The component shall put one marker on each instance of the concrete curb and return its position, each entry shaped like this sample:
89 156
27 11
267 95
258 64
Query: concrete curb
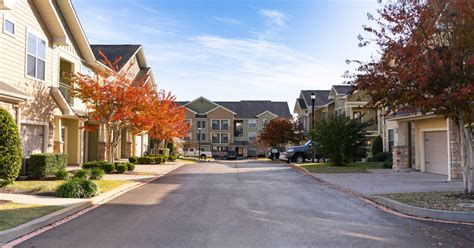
50 219
398 207
423 212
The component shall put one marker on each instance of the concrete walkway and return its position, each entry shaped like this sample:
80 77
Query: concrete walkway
385 181
40 200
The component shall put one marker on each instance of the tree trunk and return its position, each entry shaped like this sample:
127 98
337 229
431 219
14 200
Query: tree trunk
469 165
465 153
108 144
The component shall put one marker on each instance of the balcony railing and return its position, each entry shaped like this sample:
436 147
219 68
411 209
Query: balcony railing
66 91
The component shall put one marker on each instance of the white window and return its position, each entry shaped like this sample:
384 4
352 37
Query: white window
224 124
224 138
252 136
215 124
36 57
253 123
215 138
201 124
9 26
203 136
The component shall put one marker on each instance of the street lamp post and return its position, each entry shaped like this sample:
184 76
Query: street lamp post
200 137
313 98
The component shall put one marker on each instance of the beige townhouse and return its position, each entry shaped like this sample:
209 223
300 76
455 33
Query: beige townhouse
134 62
222 126
42 42
340 100
423 142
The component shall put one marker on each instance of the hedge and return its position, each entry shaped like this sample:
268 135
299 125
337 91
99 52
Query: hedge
10 149
146 160
46 164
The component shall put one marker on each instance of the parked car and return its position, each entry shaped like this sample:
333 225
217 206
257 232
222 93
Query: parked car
193 152
300 153
231 155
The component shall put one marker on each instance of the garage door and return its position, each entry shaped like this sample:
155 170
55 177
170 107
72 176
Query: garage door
33 139
436 152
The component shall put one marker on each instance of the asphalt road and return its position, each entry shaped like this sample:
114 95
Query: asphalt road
245 205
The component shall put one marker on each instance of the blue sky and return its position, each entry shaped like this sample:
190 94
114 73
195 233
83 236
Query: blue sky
233 50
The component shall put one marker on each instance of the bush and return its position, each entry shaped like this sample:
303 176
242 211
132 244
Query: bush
163 158
157 159
77 188
61 175
377 145
165 152
94 164
107 167
10 149
172 158
46 164
96 174
121 167
133 159
82 174
146 160
388 164
130 166
89 188
381 157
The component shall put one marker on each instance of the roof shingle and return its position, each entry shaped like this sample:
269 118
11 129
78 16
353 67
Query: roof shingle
321 96
114 51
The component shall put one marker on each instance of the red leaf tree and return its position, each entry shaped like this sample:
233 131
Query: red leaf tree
112 100
426 64
281 131
168 119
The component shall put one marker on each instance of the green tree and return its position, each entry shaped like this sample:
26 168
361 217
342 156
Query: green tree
377 146
341 138
10 149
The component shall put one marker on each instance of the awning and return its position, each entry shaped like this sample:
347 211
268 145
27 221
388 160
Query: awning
10 94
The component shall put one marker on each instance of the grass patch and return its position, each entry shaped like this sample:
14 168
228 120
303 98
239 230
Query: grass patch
49 187
435 200
14 214
327 168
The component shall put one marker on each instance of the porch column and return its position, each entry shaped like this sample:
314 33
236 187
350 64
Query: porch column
58 148
400 148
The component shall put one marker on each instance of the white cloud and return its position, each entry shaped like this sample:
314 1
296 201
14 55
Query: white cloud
226 20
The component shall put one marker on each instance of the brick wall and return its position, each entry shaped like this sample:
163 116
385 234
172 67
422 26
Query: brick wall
400 158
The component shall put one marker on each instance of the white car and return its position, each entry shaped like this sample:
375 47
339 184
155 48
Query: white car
193 152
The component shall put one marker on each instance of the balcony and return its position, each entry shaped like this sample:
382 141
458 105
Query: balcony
66 92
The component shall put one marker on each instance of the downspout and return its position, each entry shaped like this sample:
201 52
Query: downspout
448 123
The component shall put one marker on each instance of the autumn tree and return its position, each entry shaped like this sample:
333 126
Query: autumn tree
112 100
281 131
168 119
426 64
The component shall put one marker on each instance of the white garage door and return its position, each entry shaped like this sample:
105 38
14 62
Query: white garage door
436 152
33 139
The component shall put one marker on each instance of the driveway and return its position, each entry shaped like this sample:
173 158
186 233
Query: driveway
228 204
385 181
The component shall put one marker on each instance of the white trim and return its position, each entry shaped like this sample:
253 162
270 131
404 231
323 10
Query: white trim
266 111
422 148
448 125
201 97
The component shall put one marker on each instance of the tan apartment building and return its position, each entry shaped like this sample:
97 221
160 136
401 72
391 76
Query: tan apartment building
221 126
42 42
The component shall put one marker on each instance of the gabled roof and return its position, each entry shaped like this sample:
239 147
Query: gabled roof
343 89
302 103
126 52
321 97
251 109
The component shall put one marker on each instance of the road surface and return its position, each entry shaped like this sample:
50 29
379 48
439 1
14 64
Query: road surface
245 204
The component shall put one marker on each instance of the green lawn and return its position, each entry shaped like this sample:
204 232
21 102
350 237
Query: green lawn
452 201
48 187
349 168
13 214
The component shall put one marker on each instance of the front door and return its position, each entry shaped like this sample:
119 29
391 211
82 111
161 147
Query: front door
240 151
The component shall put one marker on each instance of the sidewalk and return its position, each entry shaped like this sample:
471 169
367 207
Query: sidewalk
385 181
